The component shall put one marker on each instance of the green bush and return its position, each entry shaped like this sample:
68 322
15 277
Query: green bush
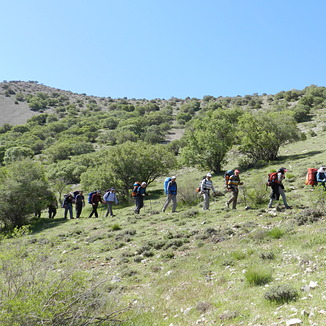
258 275
276 233
281 293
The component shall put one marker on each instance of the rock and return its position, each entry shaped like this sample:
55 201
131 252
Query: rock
294 322
313 285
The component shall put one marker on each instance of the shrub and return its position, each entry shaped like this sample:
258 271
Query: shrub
116 227
276 233
281 293
309 215
258 275
267 255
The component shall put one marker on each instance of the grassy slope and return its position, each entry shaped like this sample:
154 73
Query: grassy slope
188 268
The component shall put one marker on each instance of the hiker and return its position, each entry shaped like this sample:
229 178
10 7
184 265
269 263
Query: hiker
80 203
67 205
205 187
139 197
96 198
171 191
233 185
110 198
321 176
278 189
53 207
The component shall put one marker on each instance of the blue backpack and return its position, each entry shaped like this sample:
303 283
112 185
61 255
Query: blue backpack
166 182
90 196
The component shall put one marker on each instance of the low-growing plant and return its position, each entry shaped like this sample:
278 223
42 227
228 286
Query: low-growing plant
276 233
267 255
116 227
258 275
281 293
238 255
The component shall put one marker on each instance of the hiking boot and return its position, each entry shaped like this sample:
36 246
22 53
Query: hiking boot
288 207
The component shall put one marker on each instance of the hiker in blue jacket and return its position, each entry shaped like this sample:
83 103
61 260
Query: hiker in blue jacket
321 176
171 195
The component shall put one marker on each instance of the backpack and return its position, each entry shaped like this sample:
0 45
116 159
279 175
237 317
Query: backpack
311 177
227 176
272 179
90 196
134 190
198 189
166 182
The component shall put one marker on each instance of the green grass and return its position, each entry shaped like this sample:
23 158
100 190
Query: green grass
184 268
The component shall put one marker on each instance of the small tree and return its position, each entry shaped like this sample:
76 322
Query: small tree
23 191
261 135
124 164
209 138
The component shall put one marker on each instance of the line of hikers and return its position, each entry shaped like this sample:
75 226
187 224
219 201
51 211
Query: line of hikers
94 198
206 188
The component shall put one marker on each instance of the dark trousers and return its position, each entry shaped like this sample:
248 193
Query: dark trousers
79 208
94 211
52 211
139 203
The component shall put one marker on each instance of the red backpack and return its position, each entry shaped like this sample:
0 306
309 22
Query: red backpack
272 179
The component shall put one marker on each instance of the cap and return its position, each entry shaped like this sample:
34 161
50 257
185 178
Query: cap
208 175
174 177
238 171
143 183
282 170
112 188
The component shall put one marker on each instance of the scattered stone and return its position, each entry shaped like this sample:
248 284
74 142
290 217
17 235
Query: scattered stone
294 322
313 285
116 279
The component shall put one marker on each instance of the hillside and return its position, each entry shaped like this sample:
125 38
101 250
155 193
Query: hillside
250 266
192 267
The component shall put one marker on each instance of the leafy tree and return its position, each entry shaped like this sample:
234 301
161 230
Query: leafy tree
23 190
124 164
14 154
209 138
261 134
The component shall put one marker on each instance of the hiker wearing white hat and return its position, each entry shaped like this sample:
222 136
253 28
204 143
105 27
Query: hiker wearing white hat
205 187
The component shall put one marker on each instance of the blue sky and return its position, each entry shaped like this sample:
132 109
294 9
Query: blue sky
162 49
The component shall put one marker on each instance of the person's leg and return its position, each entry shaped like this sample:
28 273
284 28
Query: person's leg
206 200
174 203
92 212
95 210
70 211
110 204
167 202
78 210
232 198
235 198
282 193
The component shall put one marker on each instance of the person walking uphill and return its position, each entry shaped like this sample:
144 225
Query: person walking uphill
233 183
110 198
140 193
171 195
67 205
80 203
96 198
321 176
278 189
205 187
